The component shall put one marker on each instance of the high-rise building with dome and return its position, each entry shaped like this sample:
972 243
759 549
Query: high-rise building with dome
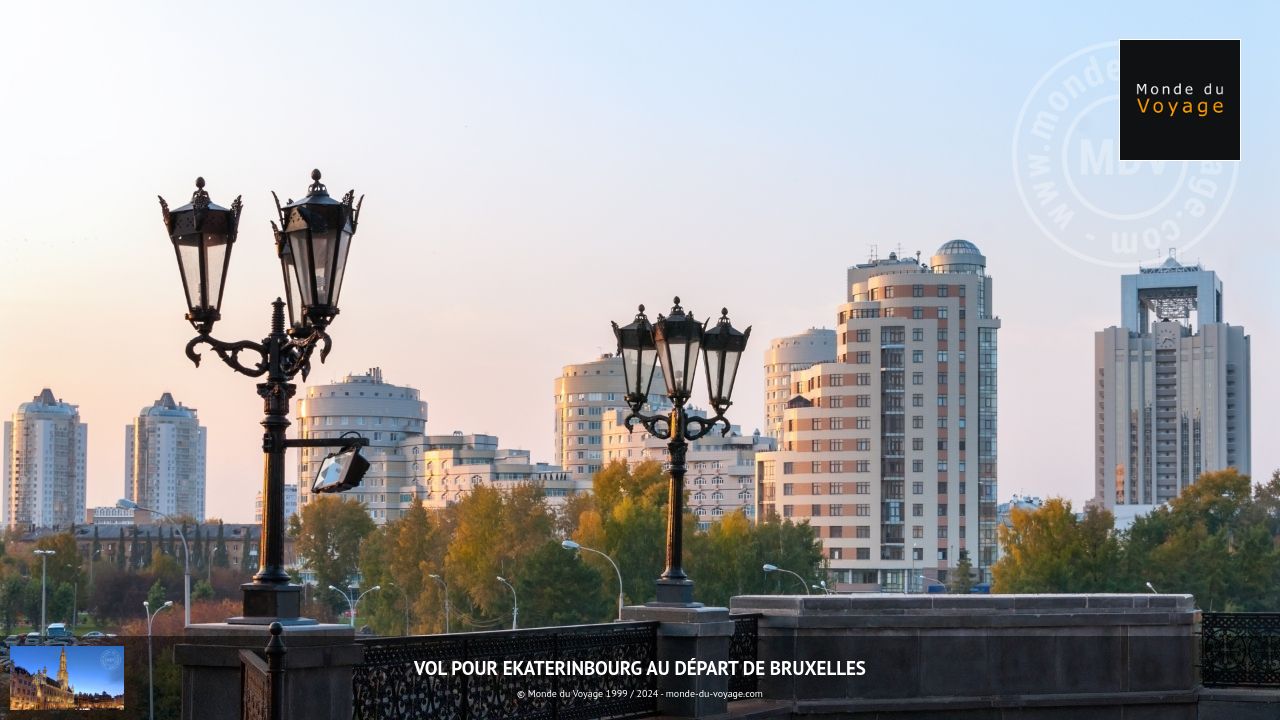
889 451
45 447
164 457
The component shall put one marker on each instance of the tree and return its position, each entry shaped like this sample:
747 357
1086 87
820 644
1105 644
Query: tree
202 590
220 558
557 588
96 552
327 534
155 596
962 575
120 560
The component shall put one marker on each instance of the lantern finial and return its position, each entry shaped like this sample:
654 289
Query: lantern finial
317 187
200 183
200 198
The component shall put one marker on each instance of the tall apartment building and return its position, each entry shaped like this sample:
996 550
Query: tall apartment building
584 393
890 450
721 469
164 459
290 502
784 356
1173 391
386 414
45 446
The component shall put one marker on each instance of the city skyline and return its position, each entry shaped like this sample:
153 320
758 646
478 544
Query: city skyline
524 167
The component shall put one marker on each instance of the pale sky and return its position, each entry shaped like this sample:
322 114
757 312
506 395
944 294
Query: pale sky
534 170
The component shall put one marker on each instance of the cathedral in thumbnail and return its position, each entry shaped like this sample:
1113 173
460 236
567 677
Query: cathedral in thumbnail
39 691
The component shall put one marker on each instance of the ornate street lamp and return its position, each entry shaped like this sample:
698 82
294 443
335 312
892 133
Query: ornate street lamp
312 247
676 341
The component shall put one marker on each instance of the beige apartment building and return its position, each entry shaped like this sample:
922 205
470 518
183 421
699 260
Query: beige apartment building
164 459
785 356
889 451
584 393
721 469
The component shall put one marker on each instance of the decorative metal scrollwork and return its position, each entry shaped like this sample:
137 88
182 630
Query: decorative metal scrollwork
1240 649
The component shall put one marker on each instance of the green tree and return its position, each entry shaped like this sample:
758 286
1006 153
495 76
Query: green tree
202 590
327 533
96 552
220 558
557 588
961 580
156 595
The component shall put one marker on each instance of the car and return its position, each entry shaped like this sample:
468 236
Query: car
11 641
93 634
32 638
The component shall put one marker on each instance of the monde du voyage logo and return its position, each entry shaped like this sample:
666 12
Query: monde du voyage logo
1180 100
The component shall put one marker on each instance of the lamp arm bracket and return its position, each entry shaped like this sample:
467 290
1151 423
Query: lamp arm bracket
296 355
697 427
229 352
658 426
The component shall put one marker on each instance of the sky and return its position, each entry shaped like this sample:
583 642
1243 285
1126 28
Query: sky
90 669
532 171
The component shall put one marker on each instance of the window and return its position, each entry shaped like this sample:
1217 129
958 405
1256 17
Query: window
917 422
862 510
862 531
815 466
835 510
862 401
835 401
917 532
917 466
836 380
942 488
862 336
788 510
917 488
942 313
788 468
816 424
862 444
917 378
837 445
862 466
837 466
835 553
942 509
862 379
862 358
862 488
918 334
863 553
917 510
942 401
888 292
917 356
917 400
788 489
835 488
942 466
917 313
835 531
942 532
942 378
917 291
942 290
862 423
942 356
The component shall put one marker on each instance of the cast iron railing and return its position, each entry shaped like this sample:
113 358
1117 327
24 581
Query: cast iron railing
1240 649
262 680
742 647
388 685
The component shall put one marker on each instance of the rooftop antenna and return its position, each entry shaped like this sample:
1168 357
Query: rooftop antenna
874 252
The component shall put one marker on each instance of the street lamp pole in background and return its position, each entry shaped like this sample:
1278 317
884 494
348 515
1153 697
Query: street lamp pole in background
312 244
127 504
405 595
676 341
515 603
353 604
151 680
44 558
571 545
444 590
769 567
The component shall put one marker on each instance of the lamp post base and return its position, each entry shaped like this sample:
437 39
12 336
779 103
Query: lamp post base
675 593
267 603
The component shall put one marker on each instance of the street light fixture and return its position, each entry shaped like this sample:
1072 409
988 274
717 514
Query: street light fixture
571 545
1152 588
354 604
151 682
44 561
312 247
676 341
769 567
405 594
127 504
515 603
444 590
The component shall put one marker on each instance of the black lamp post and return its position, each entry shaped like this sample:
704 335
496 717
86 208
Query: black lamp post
313 248
676 341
